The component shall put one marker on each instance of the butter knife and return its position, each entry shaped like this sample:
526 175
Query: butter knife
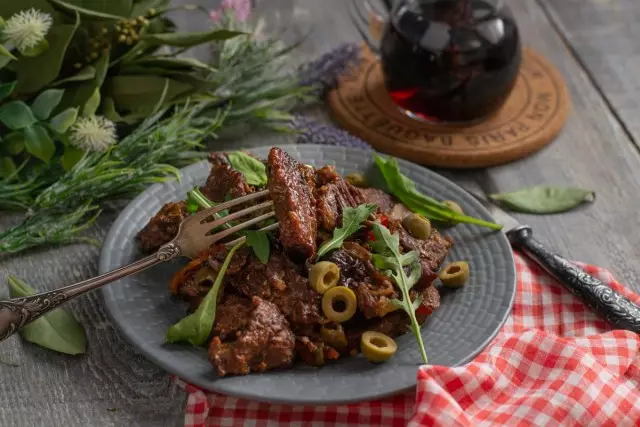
618 310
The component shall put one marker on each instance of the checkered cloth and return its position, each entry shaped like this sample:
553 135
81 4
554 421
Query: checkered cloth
554 363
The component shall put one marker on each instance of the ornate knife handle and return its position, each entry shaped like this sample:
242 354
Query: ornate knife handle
614 307
18 312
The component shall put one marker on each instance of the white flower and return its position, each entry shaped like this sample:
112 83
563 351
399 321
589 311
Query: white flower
27 28
94 133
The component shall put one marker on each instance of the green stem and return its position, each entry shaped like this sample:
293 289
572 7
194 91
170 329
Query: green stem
406 301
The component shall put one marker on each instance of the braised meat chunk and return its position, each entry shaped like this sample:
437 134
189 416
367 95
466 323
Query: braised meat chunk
163 227
223 182
291 187
384 201
333 194
263 340
280 282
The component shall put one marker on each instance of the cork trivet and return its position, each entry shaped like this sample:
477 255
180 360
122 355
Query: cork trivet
529 120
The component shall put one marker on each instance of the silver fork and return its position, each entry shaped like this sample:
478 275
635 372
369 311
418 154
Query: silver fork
194 236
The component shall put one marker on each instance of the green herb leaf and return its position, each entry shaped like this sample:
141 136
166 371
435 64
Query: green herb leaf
352 219
56 330
71 156
175 64
106 9
188 39
87 73
253 169
393 262
196 328
7 167
61 122
7 89
405 190
44 103
140 93
16 115
13 143
92 104
545 199
259 242
5 52
37 72
39 143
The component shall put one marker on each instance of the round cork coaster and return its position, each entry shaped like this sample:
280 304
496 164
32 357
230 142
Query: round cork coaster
530 119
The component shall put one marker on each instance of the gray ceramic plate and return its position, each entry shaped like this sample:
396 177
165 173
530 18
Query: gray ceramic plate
467 320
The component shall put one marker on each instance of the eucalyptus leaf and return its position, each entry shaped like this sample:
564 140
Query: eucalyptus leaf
92 104
87 73
44 103
56 330
35 73
7 89
71 156
97 9
5 52
78 95
16 115
141 93
13 143
544 199
7 167
62 121
39 143
188 39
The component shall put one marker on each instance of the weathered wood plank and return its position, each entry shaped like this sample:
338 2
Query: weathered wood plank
604 36
113 386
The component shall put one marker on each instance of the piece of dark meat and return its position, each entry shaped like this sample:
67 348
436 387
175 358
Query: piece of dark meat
263 341
280 282
333 194
433 251
373 290
225 182
384 201
232 315
163 227
291 187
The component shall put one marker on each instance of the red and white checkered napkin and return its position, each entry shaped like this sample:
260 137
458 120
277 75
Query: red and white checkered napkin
553 363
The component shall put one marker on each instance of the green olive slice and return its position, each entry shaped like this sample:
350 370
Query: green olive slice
324 276
453 206
357 179
339 304
455 274
377 347
334 336
418 226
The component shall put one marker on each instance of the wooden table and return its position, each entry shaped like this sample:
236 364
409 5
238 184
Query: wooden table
594 45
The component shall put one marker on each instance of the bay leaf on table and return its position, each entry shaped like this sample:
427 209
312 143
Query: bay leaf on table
56 330
544 199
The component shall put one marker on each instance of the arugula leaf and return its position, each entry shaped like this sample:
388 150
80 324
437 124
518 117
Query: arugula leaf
352 219
196 327
405 190
389 259
259 242
56 330
254 170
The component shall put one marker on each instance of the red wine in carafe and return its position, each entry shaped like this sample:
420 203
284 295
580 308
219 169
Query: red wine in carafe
450 60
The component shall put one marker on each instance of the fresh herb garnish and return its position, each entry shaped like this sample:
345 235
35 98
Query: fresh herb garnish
352 219
545 199
387 257
405 190
196 327
254 170
56 330
259 242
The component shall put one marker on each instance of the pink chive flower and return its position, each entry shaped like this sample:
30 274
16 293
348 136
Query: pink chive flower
241 8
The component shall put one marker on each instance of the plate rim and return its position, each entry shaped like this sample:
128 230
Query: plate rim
205 384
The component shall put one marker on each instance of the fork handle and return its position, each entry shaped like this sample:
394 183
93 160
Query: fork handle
618 310
18 312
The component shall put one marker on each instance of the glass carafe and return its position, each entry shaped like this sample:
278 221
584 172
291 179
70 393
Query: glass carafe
444 60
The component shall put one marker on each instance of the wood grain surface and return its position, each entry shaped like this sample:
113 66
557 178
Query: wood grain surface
111 385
